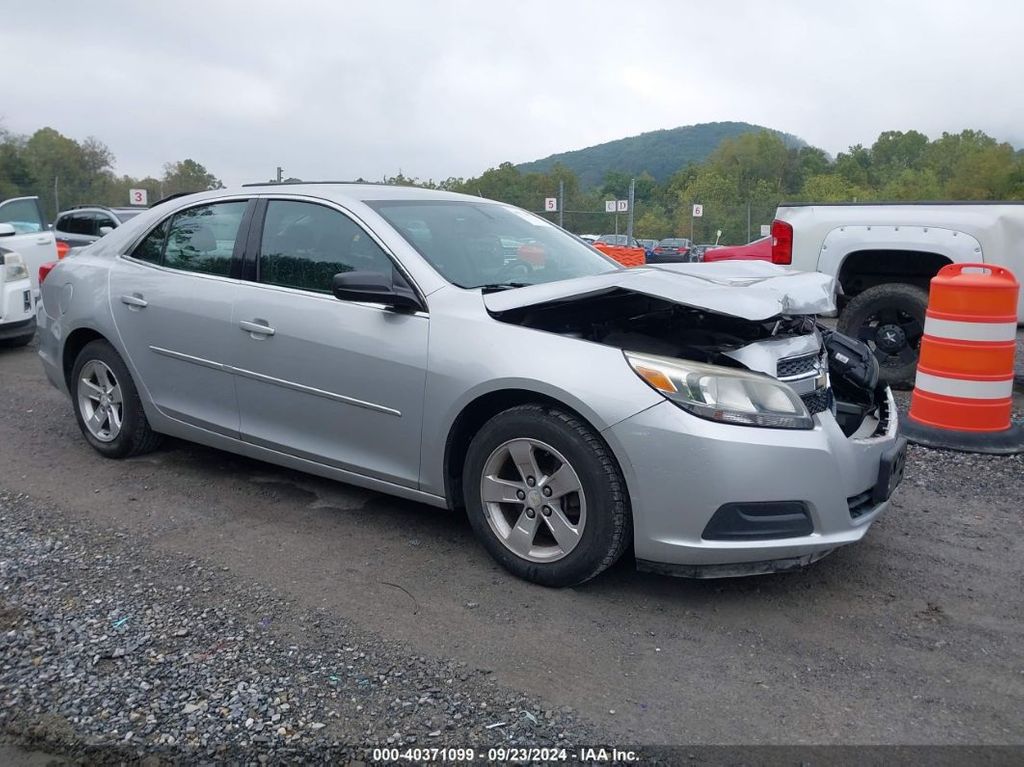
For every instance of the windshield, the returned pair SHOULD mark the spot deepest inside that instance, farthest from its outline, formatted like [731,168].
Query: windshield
[486,244]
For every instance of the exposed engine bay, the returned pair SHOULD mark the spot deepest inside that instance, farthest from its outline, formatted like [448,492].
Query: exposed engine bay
[829,371]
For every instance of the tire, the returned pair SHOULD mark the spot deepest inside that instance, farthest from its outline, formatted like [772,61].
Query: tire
[593,522]
[132,435]
[890,320]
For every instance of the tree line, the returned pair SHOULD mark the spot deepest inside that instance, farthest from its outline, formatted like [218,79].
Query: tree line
[739,185]
[64,172]
[743,181]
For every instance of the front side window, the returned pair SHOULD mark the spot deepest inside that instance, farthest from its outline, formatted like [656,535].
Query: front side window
[23,215]
[304,245]
[490,245]
[103,220]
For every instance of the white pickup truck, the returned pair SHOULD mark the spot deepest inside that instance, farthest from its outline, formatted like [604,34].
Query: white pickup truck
[884,255]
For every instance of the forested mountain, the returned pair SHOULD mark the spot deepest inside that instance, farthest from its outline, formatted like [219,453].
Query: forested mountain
[660,153]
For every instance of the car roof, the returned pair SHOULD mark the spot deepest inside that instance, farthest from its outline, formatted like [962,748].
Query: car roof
[345,191]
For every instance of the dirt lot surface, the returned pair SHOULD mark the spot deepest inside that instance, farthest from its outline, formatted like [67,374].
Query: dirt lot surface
[300,592]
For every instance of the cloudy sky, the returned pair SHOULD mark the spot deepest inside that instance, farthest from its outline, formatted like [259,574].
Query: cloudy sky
[443,88]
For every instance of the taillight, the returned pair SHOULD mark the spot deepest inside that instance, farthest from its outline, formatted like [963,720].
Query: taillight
[45,269]
[782,242]
[659,250]
[62,249]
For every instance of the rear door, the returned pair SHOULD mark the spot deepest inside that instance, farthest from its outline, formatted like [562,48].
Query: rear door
[32,239]
[336,382]
[172,298]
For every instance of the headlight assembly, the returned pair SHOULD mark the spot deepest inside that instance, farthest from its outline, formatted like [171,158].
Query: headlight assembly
[723,394]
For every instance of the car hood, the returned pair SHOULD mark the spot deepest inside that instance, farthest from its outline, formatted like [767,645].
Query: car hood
[752,290]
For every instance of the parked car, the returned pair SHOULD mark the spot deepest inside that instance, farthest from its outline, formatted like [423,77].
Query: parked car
[619,240]
[31,238]
[758,250]
[576,413]
[84,224]
[884,256]
[17,309]
[648,246]
[671,251]
[591,238]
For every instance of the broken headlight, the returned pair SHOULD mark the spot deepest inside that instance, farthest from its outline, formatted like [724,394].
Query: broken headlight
[723,394]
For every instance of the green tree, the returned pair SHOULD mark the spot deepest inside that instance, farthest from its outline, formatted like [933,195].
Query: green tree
[188,176]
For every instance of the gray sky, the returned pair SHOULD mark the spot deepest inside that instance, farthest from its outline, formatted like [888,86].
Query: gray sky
[437,89]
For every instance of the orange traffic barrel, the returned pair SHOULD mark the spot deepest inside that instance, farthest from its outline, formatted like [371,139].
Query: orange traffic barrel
[963,394]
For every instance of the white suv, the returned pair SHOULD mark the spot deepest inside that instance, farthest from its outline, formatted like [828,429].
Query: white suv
[25,232]
[17,315]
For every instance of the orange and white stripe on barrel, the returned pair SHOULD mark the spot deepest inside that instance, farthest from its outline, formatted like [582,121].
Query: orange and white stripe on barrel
[965,372]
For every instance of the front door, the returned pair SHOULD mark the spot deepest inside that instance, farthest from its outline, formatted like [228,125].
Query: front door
[172,300]
[334,382]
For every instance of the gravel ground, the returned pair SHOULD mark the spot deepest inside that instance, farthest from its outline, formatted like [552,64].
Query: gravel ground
[112,651]
[379,618]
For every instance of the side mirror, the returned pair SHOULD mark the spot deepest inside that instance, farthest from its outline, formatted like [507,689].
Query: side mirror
[376,288]
[6,230]
[106,230]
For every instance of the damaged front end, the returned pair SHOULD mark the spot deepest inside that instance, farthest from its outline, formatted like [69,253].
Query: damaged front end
[707,338]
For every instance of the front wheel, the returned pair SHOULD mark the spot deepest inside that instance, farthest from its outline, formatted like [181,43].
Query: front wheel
[107,405]
[545,496]
[890,320]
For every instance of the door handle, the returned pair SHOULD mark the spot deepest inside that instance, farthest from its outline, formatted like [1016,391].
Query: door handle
[134,302]
[256,328]
[42,241]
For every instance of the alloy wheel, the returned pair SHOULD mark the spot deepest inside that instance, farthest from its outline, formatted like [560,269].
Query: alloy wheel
[100,401]
[533,500]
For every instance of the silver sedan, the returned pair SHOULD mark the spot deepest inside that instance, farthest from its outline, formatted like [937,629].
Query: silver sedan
[465,353]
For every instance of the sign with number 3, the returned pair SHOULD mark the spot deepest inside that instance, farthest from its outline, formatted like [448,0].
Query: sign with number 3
[138,197]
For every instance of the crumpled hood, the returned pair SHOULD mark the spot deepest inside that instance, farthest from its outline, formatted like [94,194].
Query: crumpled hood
[752,290]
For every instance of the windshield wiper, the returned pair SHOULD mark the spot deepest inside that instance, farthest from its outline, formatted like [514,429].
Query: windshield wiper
[493,287]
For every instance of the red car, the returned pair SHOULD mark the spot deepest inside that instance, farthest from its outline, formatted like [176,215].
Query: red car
[758,250]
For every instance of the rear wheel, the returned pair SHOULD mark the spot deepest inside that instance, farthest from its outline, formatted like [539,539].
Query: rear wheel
[107,404]
[545,496]
[890,320]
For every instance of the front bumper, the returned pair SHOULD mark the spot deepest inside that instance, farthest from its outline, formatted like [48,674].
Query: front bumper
[681,469]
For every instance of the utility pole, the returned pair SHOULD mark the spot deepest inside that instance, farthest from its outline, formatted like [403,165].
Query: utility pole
[629,220]
[280,174]
[748,220]
[561,201]
[56,197]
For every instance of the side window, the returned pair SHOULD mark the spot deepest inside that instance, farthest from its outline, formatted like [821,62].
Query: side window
[76,223]
[202,239]
[304,245]
[23,215]
[151,249]
[103,220]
